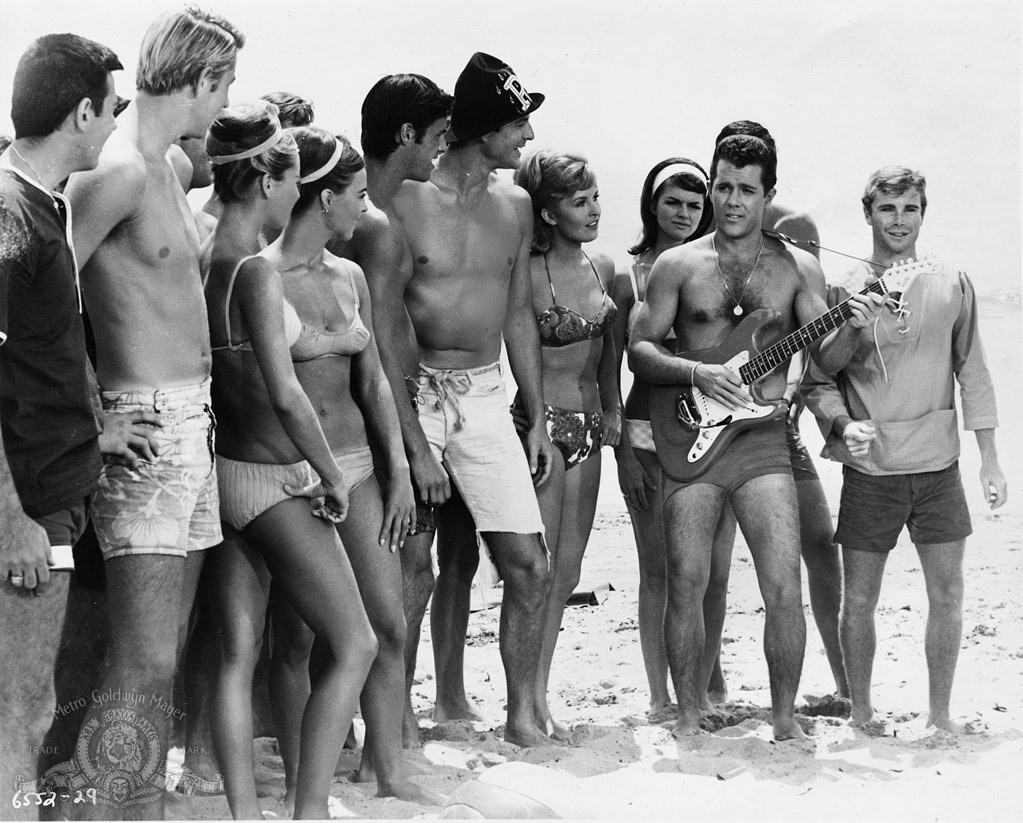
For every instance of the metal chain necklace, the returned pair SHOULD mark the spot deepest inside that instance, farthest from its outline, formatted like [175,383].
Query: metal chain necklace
[738,310]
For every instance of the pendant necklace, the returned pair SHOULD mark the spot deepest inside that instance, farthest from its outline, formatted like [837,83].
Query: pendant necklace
[737,311]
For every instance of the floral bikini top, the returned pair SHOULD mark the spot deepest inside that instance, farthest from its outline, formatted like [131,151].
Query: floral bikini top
[562,326]
[305,341]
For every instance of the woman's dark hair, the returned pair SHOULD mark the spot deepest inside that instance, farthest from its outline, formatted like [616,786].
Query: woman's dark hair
[686,180]
[316,147]
[292,109]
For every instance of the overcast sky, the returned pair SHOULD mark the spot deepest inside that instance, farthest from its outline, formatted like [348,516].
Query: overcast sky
[844,88]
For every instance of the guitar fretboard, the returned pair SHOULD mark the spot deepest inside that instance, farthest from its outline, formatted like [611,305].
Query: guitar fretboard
[773,356]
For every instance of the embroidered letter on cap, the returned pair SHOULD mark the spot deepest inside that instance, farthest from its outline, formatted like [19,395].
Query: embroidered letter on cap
[514,85]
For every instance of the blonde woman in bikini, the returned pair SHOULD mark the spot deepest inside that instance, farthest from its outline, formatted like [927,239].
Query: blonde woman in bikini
[575,316]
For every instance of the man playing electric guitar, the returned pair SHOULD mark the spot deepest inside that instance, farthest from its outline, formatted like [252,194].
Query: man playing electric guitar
[703,290]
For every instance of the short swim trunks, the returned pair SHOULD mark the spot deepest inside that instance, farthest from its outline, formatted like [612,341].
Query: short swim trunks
[757,451]
[874,509]
[169,506]
[799,458]
[464,415]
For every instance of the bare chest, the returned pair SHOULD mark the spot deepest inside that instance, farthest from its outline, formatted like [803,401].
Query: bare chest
[162,233]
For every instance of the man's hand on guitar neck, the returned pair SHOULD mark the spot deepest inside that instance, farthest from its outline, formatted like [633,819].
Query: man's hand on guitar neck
[721,384]
[865,308]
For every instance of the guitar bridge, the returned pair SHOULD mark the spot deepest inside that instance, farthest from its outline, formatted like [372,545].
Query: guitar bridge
[689,415]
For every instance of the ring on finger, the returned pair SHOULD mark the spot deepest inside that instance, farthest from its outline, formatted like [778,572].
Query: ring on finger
[17,579]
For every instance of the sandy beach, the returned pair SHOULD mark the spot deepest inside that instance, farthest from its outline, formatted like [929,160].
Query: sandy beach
[621,764]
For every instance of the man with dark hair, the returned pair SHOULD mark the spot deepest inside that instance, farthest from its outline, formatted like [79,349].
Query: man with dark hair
[777,216]
[399,101]
[702,290]
[404,129]
[50,464]
[898,441]
[137,245]
[816,532]
[468,235]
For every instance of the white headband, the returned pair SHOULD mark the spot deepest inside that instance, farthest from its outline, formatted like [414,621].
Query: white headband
[671,171]
[326,168]
[255,151]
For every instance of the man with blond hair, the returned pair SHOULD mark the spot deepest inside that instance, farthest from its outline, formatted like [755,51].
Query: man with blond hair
[888,414]
[137,245]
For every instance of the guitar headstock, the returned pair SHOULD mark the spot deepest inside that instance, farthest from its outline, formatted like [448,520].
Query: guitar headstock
[898,277]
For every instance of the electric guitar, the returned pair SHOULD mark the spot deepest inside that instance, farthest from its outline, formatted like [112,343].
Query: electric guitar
[691,429]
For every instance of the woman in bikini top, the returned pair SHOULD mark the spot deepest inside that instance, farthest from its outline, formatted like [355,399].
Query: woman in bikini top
[338,365]
[268,429]
[579,385]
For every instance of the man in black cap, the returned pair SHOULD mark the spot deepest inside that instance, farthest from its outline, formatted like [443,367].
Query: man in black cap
[469,288]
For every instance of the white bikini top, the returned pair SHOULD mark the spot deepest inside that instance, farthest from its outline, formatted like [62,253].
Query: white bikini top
[292,324]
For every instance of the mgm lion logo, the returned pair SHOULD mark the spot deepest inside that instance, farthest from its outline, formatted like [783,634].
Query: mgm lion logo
[119,753]
[118,756]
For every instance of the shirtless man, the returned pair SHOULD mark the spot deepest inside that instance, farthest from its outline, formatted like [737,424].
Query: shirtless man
[701,290]
[469,285]
[899,444]
[819,551]
[404,129]
[137,244]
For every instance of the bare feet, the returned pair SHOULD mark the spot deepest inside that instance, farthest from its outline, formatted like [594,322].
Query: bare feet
[555,731]
[687,725]
[662,714]
[456,710]
[407,790]
[871,728]
[525,735]
[786,728]
[942,721]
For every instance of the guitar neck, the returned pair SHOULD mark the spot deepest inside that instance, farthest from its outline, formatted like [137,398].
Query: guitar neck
[773,356]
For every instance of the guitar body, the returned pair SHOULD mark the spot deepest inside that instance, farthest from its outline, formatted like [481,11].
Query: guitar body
[685,451]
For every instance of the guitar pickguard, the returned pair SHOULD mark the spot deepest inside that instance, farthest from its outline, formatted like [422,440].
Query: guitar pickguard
[708,418]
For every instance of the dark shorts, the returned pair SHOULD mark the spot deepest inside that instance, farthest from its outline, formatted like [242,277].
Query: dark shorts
[874,509]
[64,527]
[799,457]
[757,451]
